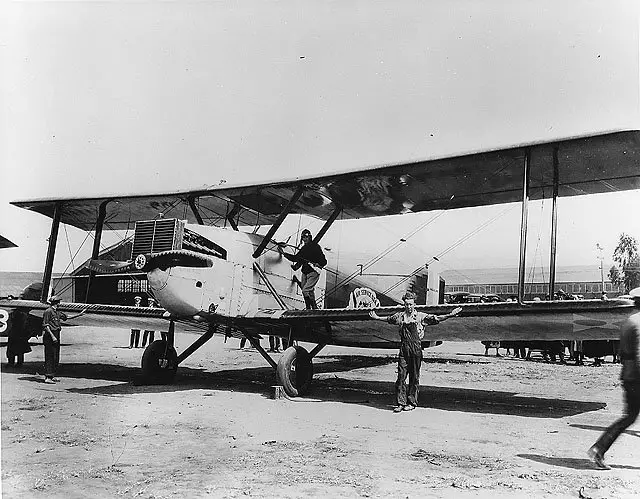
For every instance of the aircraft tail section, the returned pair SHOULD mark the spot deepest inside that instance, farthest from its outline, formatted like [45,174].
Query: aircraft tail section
[435,291]
[427,287]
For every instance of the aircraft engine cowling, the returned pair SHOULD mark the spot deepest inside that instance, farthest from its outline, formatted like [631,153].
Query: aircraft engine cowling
[187,291]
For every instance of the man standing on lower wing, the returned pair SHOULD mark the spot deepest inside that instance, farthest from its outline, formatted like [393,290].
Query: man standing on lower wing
[310,260]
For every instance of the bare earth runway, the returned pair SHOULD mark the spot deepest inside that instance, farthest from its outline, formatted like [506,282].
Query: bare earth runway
[488,427]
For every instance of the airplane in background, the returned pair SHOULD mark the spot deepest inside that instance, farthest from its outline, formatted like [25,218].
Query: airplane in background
[221,280]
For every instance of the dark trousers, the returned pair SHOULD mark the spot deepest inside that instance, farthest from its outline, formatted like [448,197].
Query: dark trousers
[408,363]
[51,356]
[632,409]
[274,343]
[11,359]
[150,335]
[135,338]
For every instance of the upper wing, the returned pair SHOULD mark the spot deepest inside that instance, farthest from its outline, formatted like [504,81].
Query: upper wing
[586,165]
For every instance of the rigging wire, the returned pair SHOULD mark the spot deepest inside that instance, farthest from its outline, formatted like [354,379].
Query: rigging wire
[451,247]
[64,272]
[358,271]
[532,272]
[384,253]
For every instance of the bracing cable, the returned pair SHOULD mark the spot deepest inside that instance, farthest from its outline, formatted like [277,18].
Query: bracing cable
[451,247]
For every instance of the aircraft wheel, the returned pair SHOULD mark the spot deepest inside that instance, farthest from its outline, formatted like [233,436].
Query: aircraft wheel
[159,362]
[295,371]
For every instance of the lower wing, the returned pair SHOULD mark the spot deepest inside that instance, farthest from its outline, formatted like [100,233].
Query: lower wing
[555,320]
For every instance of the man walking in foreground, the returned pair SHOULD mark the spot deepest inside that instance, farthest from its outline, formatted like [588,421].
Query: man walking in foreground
[411,324]
[630,376]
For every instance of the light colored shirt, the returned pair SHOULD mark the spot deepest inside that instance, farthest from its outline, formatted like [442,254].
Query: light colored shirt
[53,318]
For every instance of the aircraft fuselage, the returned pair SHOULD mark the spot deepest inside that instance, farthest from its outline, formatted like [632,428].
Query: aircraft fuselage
[230,286]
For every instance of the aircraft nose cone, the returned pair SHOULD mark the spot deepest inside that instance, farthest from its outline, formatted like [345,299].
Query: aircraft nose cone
[157,279]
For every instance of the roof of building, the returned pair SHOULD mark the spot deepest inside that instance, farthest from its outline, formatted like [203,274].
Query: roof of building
[574,273]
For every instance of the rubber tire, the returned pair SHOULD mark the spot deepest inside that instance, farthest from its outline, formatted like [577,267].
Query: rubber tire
[295,371]
[151,369]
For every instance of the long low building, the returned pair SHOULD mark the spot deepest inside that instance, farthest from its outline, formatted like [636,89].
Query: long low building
[582,280]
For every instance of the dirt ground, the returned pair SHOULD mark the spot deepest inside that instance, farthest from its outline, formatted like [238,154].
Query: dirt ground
[487,427]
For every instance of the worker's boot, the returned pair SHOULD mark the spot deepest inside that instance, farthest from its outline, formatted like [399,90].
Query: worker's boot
[312,300]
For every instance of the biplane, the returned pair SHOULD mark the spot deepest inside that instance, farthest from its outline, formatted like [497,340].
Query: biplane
[224,280]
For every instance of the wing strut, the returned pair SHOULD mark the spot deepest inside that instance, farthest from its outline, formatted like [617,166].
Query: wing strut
[231,216]
[95,253]
[317,349]
[523,225]
[554,224]
[272,290]
[328,223]
[194,209]
[285,211]
[51,252]
[196,344]
[256,344]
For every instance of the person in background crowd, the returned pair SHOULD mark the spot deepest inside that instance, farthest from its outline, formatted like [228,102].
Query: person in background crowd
[274,344]
[134,339]
[148,334]
[18,339]
[491,344]
[577,352]
[630,376]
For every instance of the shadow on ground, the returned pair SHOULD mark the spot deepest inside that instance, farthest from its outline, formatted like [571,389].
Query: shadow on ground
[633,433]
[329,386]
[572,462]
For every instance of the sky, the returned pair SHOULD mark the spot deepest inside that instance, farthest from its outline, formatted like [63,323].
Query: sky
[107,98]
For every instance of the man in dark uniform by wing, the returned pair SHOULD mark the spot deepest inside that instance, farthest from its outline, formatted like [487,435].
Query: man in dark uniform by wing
[630,376]
[310,260]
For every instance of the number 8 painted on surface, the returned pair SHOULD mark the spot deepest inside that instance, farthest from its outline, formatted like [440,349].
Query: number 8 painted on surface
[4,318]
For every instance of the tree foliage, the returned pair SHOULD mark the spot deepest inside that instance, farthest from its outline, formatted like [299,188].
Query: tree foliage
[627,270]
[614,276]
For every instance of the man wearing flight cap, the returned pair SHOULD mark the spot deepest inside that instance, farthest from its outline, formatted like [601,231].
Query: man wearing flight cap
[310,260]
[51,327]
[630,376]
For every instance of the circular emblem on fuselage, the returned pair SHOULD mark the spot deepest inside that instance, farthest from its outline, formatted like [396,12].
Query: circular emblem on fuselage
[363,298]
[140,262]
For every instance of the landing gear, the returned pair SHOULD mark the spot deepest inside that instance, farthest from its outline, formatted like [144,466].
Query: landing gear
[295,371]
[159,363]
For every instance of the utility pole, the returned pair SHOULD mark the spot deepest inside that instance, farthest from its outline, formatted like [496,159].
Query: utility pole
[601,258]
